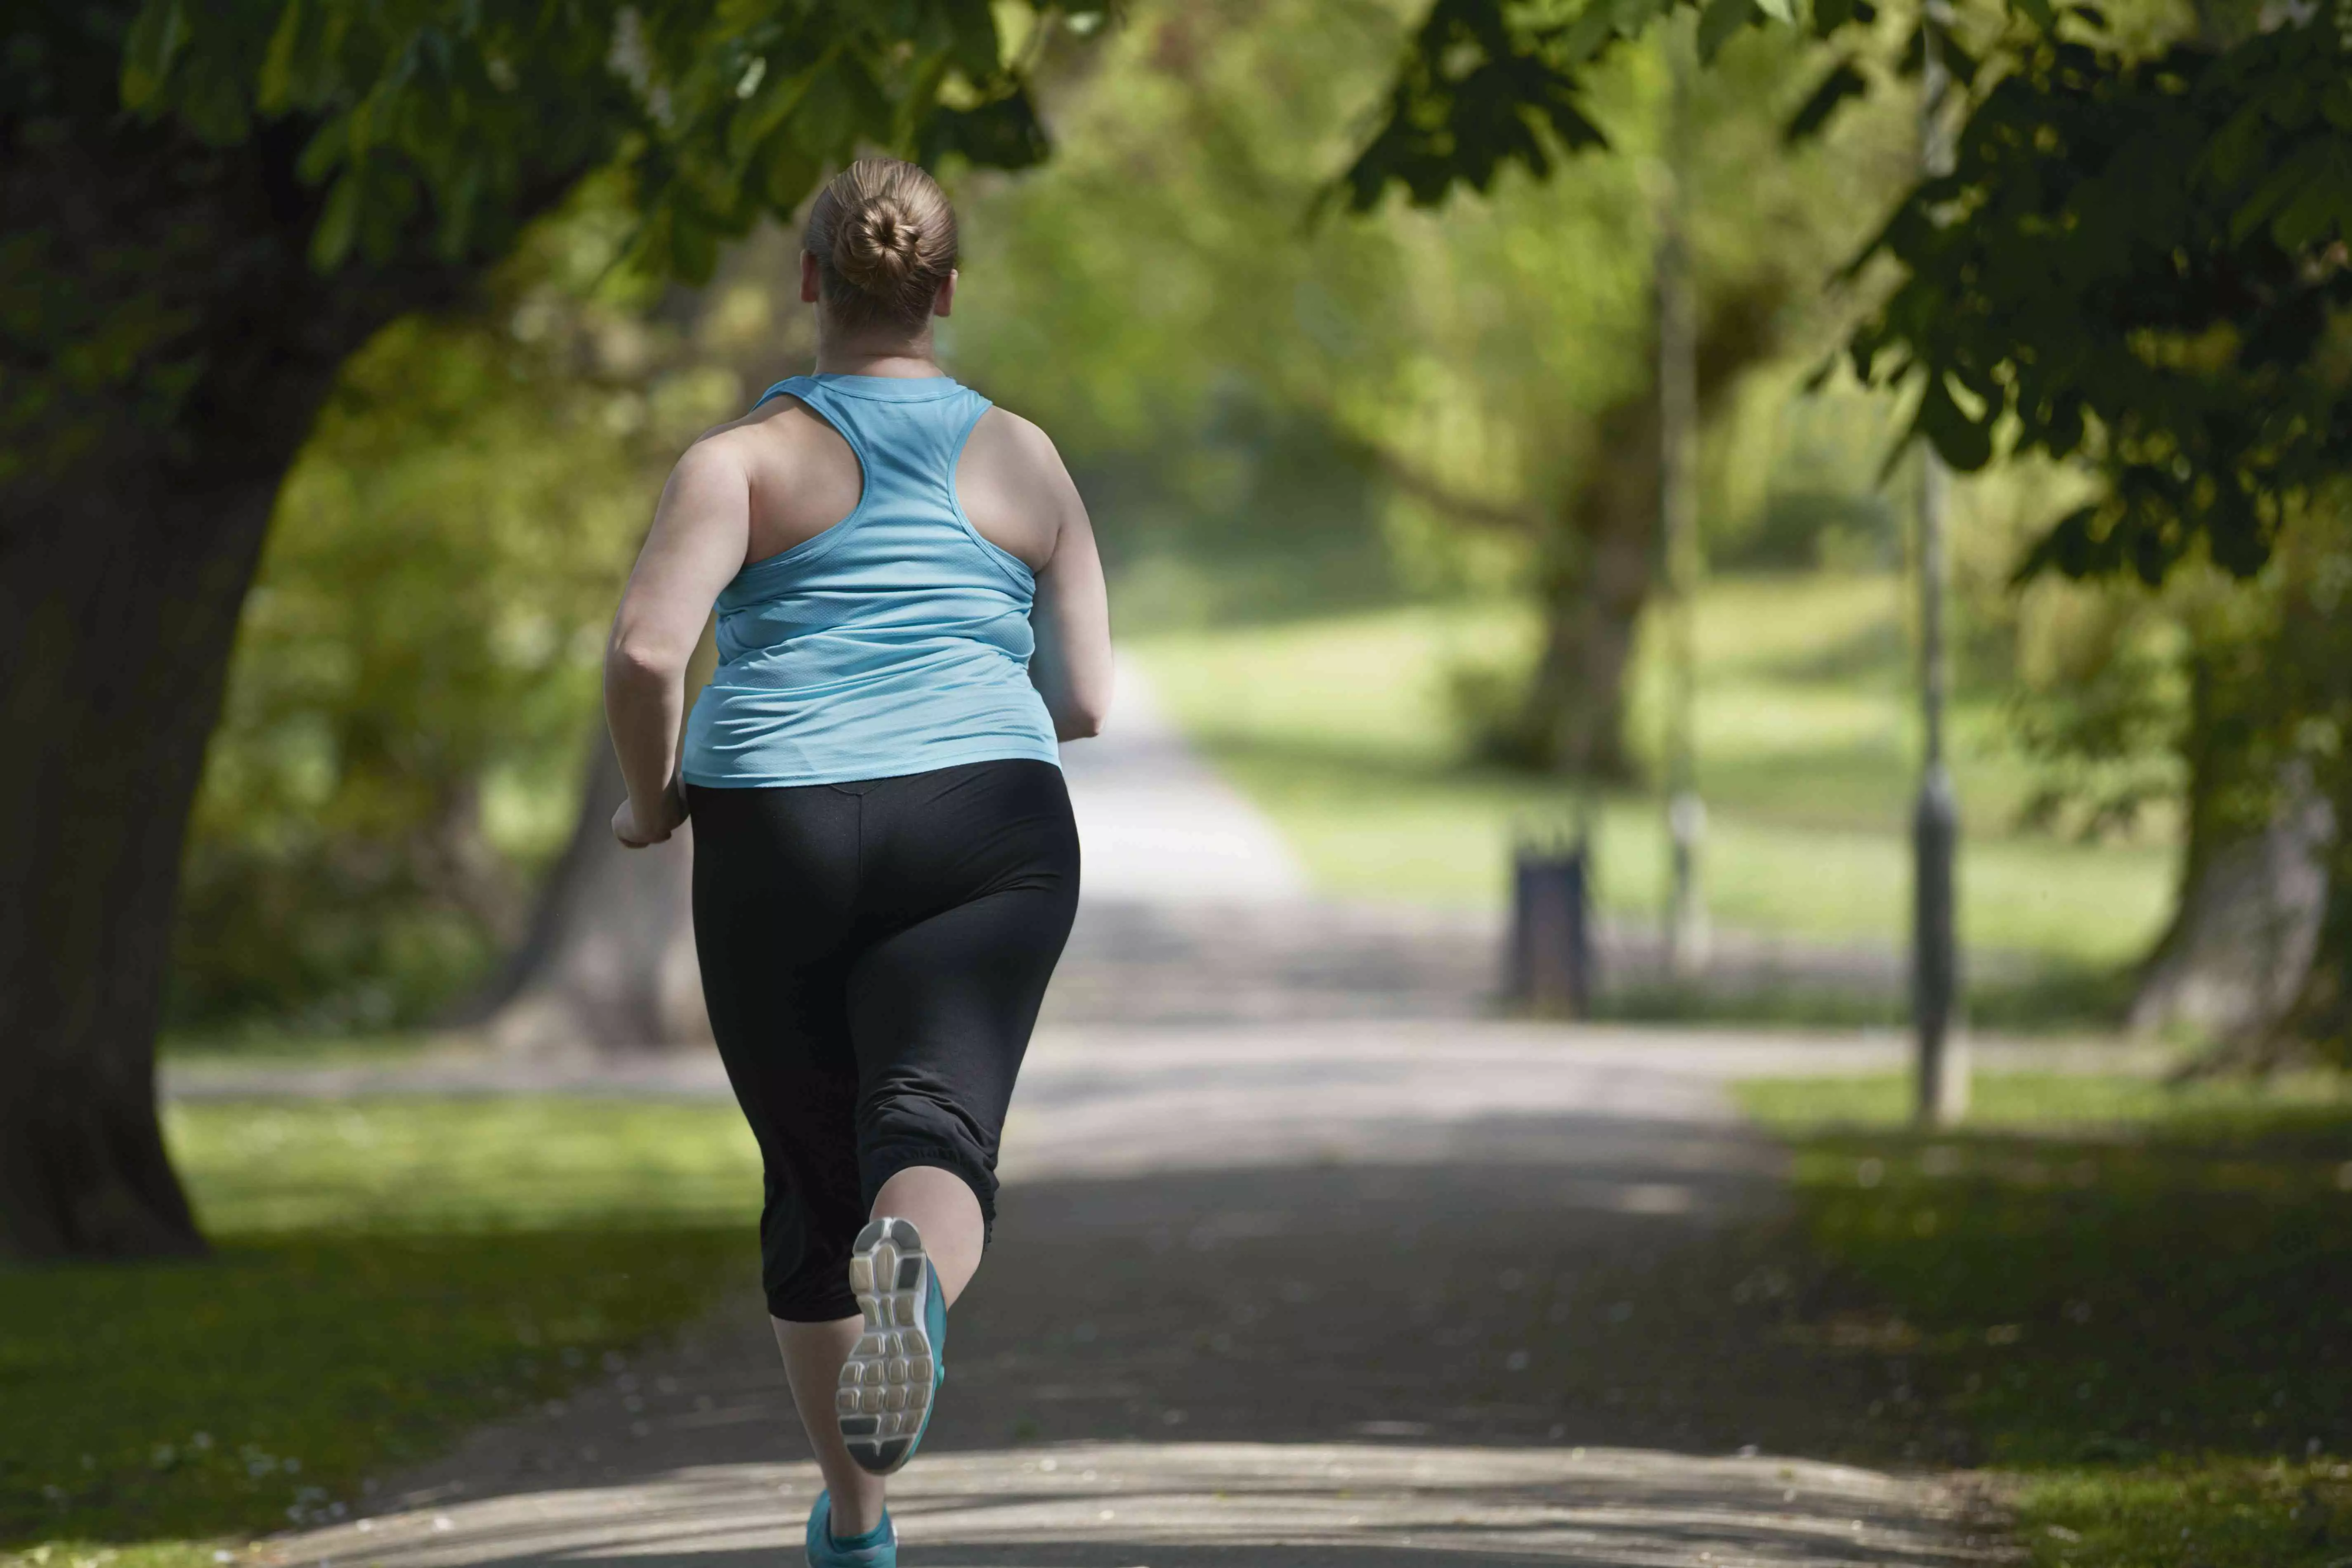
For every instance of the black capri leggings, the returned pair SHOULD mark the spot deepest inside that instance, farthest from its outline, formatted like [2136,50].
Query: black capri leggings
[873,955]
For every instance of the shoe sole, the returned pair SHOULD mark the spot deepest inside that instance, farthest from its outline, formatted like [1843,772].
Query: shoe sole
[884,1399]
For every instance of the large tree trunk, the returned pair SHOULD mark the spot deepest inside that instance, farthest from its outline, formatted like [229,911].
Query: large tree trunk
[117,619]
[1594,578]
[609,963]
[1597,565]
[2253,958]
[2246,928]
[181,348]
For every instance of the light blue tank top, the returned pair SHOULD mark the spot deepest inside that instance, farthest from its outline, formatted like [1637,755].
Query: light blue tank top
[894,642]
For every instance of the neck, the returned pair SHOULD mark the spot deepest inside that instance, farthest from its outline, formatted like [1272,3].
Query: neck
[872,356]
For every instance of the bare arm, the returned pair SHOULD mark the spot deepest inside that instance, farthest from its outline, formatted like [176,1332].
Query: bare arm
[1073,666]
[701,534]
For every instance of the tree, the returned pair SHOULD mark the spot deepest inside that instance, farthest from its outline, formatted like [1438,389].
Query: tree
[1486,89]
[211,207]
[2183,337]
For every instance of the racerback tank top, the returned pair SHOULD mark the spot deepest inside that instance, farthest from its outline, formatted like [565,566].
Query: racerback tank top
[896,641]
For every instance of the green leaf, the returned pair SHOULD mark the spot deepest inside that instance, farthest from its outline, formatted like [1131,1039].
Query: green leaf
[1841,83]
[1781,11]
[2038,12]
[156,37]
[1719,21]
[1962,442]
[824,119]
[2322,209]
[331,242]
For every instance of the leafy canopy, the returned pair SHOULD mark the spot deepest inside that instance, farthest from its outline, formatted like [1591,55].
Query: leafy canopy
[476,114]
[2140,259]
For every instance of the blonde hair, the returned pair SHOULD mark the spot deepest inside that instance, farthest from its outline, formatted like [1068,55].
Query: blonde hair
[885,239]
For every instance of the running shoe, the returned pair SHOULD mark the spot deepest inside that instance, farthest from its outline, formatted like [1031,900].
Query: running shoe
[878,1548]
[888,1383]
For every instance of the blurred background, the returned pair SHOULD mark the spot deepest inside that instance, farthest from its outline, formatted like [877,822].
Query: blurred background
[1380,497]
[1351,475]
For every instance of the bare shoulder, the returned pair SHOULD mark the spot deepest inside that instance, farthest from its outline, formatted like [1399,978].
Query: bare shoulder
[781,429]
[1019,447]
[1014,487]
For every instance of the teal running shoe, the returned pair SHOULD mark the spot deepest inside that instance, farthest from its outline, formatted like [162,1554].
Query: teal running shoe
[890,1383]
[878,1548]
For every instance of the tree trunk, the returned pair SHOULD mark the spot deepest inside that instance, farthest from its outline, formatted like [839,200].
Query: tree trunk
[1595,578]
[2245,961]
[1599,562]
[116,620]
[2244,934]
[609,963]
[159,390]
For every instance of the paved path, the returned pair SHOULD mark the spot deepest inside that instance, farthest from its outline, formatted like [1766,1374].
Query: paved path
[1301,1261]
[1158,827]
[1319,1296]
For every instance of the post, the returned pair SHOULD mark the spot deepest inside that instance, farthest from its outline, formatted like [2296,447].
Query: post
[1678,545]
[1943,1073]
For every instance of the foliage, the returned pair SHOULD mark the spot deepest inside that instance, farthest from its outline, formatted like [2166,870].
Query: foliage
[2143,1320]
[1486,84]
[389,1273]
[720,113]
[417,659]
[2186,334]
[1242,388]
[1233,384]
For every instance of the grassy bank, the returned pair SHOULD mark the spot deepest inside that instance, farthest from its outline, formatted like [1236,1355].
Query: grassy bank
[385,1275]
[1342,730]
[2138,1301]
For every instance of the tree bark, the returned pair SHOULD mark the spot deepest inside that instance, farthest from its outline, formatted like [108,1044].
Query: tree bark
[1595,579]
[2245,961]
[1598,560]
[180,349]
[2245,929]
[609,963]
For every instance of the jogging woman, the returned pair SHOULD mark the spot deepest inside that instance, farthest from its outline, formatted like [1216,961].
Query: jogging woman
[884,864]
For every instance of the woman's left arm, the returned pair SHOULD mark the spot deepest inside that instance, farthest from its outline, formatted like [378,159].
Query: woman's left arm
[700,535]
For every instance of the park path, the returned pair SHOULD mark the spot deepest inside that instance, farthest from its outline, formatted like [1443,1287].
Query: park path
[1302,1261]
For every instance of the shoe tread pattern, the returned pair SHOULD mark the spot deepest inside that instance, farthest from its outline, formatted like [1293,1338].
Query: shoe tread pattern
[885,1394]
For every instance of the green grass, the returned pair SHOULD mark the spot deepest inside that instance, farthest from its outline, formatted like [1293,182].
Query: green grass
[386,1274]
[2139,1299]
[1342,730]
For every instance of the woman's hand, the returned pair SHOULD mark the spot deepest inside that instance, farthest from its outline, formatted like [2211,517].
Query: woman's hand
[636,833]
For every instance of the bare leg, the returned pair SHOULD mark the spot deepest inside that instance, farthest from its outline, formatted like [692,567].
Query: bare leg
[812,1356]
[944,1209]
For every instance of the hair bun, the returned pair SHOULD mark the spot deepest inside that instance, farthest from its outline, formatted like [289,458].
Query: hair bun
[875,246]
[885,239]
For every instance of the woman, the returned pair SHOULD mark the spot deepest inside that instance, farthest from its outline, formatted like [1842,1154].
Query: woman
[885,862]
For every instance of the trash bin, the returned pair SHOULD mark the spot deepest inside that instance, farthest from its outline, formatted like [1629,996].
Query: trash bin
[1551,961]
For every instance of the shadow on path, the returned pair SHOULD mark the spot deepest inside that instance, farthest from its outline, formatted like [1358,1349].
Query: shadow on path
[1527,1339]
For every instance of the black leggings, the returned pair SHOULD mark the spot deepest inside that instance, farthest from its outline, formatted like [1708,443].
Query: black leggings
[873,955]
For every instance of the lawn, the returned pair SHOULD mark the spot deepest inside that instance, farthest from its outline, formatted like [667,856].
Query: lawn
[386,1274]
[1341,730]
[2139,1300]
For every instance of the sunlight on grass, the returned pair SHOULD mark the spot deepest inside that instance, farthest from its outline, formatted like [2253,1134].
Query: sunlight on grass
[386,1274]
[2031,1101]
[458,1165]
[2138,1299]
[1342,730]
